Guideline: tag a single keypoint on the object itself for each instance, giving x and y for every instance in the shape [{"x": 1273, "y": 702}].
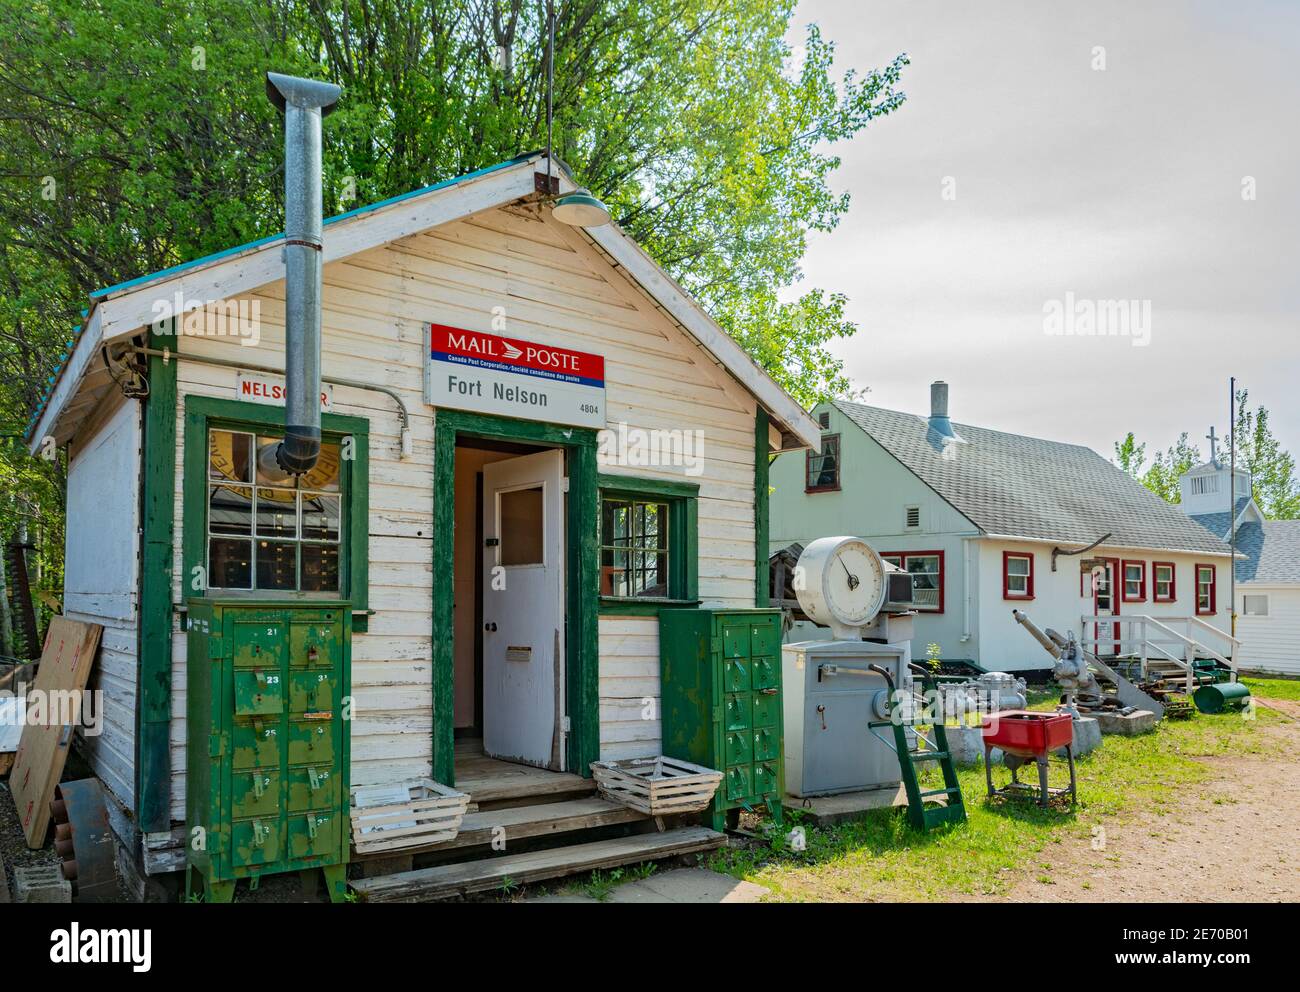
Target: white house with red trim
[
  {"x": 989, "y": 521},
  {"x": 1268, "y": 565}
]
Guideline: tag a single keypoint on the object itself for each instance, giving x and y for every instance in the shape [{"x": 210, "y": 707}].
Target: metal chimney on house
[
  {"x": 303, "y": 102},
  {"x": 939, "y": 422}
]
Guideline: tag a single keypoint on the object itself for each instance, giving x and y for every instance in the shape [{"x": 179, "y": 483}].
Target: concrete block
[
  {"x": 681, "y": 885},
  {"x": 828, "y": 811},
  {"x": 1087, "y": 737},
  {"x": 41, "y": 883},
  {"x": 966, "y": 744},
  {"x": 1138, "y": 722}
]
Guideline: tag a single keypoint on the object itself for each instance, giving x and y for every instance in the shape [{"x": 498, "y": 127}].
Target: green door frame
[{"x": 581, "y": 639}]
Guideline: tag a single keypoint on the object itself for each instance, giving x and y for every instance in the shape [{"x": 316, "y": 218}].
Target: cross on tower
[{"x": 1214, "y": 451}]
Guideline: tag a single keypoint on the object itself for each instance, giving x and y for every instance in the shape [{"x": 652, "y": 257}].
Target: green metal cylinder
[{"x": 1221, "y": 696}]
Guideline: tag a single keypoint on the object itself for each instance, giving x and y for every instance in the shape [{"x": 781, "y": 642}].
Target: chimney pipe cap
[{"x": 305, "y": 94}]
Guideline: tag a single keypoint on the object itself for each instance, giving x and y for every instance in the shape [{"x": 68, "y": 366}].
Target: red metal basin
[{"x": 1028, "y": 733}]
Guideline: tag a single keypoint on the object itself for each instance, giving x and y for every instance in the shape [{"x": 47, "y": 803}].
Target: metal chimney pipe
[
  {"x": 939, "y": 422},
  {"x": 303, "y": 102}
]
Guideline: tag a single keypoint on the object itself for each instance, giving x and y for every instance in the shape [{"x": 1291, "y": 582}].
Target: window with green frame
[
  {"x": 648, "y": 543},
  {"x": 250, "y": 528},
  {"x": 268, "y": 530}
]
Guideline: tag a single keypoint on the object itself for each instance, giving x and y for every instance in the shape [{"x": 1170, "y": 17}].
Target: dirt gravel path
[{"x": 1235, "y": 839}]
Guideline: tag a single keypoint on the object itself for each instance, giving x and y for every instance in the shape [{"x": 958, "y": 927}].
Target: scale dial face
[
  {"x": 854, "y": 583},
  {"x": 843, "y": 583}
]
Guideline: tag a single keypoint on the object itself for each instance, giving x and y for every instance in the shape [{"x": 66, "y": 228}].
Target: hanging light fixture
[{"x": 579, "y": 208}]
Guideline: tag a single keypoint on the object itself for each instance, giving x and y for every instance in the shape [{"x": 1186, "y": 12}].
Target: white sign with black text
[{"x": 489, "y": 373}]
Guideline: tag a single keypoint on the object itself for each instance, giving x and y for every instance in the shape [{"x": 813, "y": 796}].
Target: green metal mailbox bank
[
  {"x": 721, "y": 702},
  {"x": 268, "y": 749}
]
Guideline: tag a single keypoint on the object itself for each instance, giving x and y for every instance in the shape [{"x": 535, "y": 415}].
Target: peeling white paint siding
[
  {"x": 101, "y": 577},
  {"x": 557, "y": 289}
]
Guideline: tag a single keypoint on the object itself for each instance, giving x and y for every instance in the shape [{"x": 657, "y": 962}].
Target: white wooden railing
[{"x": 1146, "y": 639}]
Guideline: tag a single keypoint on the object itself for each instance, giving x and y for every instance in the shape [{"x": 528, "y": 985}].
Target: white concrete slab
[{"x": 681, "y": 885}]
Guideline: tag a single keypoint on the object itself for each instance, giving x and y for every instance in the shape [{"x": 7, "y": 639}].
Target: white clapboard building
[
  {"x": 1268, "y": 569},
  {"x": 502, "y": 392},
  {"x": 988, "y": 522}
]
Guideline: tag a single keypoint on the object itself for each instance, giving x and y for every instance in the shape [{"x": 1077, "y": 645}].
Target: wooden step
[
  {"x": 447, "y": 881},
  {"x": 540, "y": 821},
  {"x": 519, "y": 822}
]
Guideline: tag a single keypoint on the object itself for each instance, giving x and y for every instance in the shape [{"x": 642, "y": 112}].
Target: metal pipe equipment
[{"x": 303, "y": 102}]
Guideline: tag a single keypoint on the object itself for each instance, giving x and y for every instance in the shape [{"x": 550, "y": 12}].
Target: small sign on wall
[
  {"x": 489, "y": 373},
  {"x": 258, "y": 388}
]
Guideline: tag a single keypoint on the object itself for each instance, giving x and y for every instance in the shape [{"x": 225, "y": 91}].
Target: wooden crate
[
  {"x": 431, "y": 814},
  {"x": 658, "y": 786}
]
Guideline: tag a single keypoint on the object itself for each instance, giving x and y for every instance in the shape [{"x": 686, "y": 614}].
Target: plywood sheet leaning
[{"x": 53, "y": 710}]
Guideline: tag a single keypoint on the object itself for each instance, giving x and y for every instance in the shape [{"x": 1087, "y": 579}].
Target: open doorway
[{"x": 509, "y": 570}]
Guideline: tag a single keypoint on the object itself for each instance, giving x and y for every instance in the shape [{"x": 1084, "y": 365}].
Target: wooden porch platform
[
  {"x": 490, "y": 781},
  {"x": 552, "y": 824}
]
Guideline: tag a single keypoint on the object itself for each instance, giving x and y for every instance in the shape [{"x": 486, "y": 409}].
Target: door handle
[{"x": 490, "y": 627}]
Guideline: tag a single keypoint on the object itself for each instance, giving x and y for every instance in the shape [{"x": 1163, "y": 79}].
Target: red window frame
[
  {"x": 1155, "y": 584},
  {"x": 1006, "y": 575},
  {"x": 1214, "y": 589},
  {"x": 1141, "y": 596},
  {"x": 899, "y": 558}
]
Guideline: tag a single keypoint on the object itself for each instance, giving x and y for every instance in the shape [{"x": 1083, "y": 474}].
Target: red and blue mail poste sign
[{"x": 491, "y": 373}]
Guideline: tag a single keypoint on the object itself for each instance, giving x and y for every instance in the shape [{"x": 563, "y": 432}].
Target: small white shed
[{"x": 501, "y": 391}]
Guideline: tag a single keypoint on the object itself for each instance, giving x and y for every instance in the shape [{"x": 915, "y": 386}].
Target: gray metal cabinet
[{"x": 830, "y": 697}]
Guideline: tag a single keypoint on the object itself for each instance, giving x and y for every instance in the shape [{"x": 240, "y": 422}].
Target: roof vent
[{"x": 939, "y": 422}]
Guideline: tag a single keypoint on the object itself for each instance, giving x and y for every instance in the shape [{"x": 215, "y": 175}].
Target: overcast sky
[{"x": 1123, "y": 183}]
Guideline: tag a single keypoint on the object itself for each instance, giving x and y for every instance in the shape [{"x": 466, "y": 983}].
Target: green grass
[
  {"x": 882, "y": 858},
  {"x": 1274, "y": 688}
]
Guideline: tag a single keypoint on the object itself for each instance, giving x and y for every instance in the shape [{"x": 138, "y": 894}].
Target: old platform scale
[{"x": 831, "y": 692}]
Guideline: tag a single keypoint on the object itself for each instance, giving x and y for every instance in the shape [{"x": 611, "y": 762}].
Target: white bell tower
[{"x": 1207, "y": 489}]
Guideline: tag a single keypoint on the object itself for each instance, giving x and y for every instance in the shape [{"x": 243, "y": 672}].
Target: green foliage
[
  {"x": 31, "y": 511},
  {"x": 1273, "y": 470},
  {"x": 601, "y": 885},
  {"x": 1130, "y": 456},
  {"x": 136, "y": 134},
  {"x": 1169, "y": 466},
  {"x": 1166, "y": 468}
]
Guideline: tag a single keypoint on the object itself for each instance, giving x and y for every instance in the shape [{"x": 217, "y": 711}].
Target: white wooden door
[
  {"x": 1105, "y": 603},
  {"x": 523, "y": 609}
]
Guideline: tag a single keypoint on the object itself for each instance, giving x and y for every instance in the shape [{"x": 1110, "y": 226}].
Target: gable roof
[
  {"x": 1271, "y": 549},
  {"x": 1013, "y": 486},
  {"x": 121, "y": 311},
  {"x": 1219, "y": 523}
]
